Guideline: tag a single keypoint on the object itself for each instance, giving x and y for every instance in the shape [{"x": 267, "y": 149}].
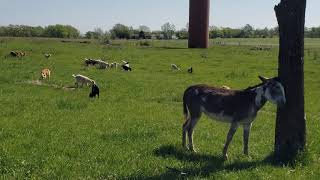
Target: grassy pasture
[{"x": 134, "y": 130}]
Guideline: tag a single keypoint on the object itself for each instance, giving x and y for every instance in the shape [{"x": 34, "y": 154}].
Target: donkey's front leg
[
  {"x": 232, "y": 130},
  {"x": 246, "y": 132}
]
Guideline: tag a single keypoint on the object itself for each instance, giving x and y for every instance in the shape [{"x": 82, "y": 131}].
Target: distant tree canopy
[
  {"x": 168, "y": 30},
  {"x": 61, "y": 31},
  {"x": 121, "y": 31},
  {"x": 97, "y": 33},
  {"x": 313, "y": 32},
  {"x": 21, "y": 31},
  {"x": 245, "y": 32},
  {"x": 57, "y": 31}
]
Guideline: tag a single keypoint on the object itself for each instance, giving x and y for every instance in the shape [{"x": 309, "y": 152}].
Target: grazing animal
[
  {"x": 94, "y": 91},
  {"x": 190, "y": 70},
  {"x": 45, "y": 73},
  {"x": 17, "y": 53},
  {"x": 237, "y": 107},
  {"x": 175, "y": 67},
  {"x": 47, "y": 55},
  {"x": 114, "y": 65},
  {"x": 81, "y": 79},
  {"x": 101, "y": 64},
  {"x": 126, "y": 66},
  {"x": 225, "y": 87},
  {"x": 90, "y": 61},
  {"x": 125, "y": 62}
]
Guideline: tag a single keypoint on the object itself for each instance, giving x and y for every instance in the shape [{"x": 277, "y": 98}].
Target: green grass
[{"x": 134, "y": 130}]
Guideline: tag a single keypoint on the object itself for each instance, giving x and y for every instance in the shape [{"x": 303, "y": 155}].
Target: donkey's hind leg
[
  {"x": 192, "y": 124},
  {"x": 184, "y": 131}
]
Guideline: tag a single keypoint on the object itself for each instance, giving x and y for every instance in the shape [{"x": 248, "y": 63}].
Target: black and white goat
[
  {"x": 47, "y": 55},
  {"x": 190, "y": 70},
  {"x": 237, "y": 107},
  {"x": 90, "y": 61},
  {"x": 126, "y": 66},
  {"x": 102, "y": 64},
  {"x": 94, "y": 91}
]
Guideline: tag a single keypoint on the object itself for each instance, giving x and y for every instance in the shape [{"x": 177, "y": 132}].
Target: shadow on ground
[
  {"x": 169, "y": 47},
  {"x": 209, "y": 164}
]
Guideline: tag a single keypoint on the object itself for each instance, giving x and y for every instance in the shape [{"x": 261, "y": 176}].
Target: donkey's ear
[
  {"x": 276, "y": 79},
  {"x": 263, "y": 79}
]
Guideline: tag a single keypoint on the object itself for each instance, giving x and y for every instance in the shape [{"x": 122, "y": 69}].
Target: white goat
[
  {"x": 175, "y": 67},
  {"x": 81, "y": 79}
]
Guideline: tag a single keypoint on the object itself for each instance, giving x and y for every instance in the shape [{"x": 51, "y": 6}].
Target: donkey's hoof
[
  {"x": 225, "y": 157},
  {"x": 192, "y": 150}
]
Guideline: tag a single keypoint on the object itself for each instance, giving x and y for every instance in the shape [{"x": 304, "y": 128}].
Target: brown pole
[{"x": 199, "y": 23}]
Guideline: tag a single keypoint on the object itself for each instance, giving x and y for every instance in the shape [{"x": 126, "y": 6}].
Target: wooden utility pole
[
  {"x": 290, "y": 135},
  {"x": 199, "y": 23}
]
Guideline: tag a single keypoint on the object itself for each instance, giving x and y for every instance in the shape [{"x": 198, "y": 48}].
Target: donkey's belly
[{"x": 219, "y": 116}]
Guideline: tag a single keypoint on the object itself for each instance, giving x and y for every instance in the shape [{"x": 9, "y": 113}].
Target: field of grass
[{"x": 134, "y": 130}]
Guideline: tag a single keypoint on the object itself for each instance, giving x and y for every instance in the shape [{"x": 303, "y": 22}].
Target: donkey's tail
[{"x": 186, "y": 112}]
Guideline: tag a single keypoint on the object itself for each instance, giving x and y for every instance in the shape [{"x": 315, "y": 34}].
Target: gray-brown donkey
[{"x": 237, "y": 107}]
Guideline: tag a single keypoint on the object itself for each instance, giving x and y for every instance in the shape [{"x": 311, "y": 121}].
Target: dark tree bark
[
  {"x": 290, "y": 134},
  {"x": 199, "y": 23}
]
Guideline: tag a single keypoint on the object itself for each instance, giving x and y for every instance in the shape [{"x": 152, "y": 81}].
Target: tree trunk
[
  {"x": 290, "y": 133},
  {"x": 199, "y": 23}
]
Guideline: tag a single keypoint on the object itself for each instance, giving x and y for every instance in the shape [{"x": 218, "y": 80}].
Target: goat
[
  {"x": 125, "y": 62},
  {"x": 90, "y": 62},
  {"x": 114, "y": 65},
  {"x": 126, "y": 66},
  {"x": 190, "y": 70},
  {"x": 47, "y": 55},
  {"x": 83, "y": 80},
  {"x": 101, "y": 64},
  {"x": 225, "y": 87},
  {"x": 94, "y": 91},
  {"x": 175, "y": 67},
  {"x": 17, "y": 53},
  {"x": 45, "y": 73},
  {"x": 237, "y": 107}
]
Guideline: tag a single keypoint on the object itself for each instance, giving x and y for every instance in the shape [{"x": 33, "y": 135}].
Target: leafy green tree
[
  {"x": 247, "y": 31},
  {"x": 144, "y": 28},
  {"x": 182, "y": 33},
  {"x": 168, "y": 30},
  {"x": 61, "y": 31},
  {"x": 120, "y": 31},
  {"x": 97, "y": 33}
]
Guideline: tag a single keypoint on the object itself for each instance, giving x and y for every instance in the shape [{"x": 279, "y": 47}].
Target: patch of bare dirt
[{"x": 42, "y": 83}]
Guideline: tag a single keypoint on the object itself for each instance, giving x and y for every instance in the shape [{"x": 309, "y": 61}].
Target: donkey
[{"x": 237, "y": 107}]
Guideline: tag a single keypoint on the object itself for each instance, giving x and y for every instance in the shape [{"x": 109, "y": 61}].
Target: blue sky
[{"x": 89, "y": 14}]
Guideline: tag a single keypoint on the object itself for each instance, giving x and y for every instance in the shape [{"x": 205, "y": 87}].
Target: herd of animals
[
  {"x": 100, "y": 64},
  {"x": 236, "y": 107}
]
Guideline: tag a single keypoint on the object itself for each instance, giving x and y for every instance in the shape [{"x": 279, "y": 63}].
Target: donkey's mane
[{"x": 253, "y": 87}]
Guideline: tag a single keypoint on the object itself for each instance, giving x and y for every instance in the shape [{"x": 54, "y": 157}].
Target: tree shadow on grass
[{"x": 209, "y": 164}]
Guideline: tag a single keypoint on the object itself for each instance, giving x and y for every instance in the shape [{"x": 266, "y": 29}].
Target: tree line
[
  {"x": 54, "y": 31},
  {"x": 120, "y": 31}
]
